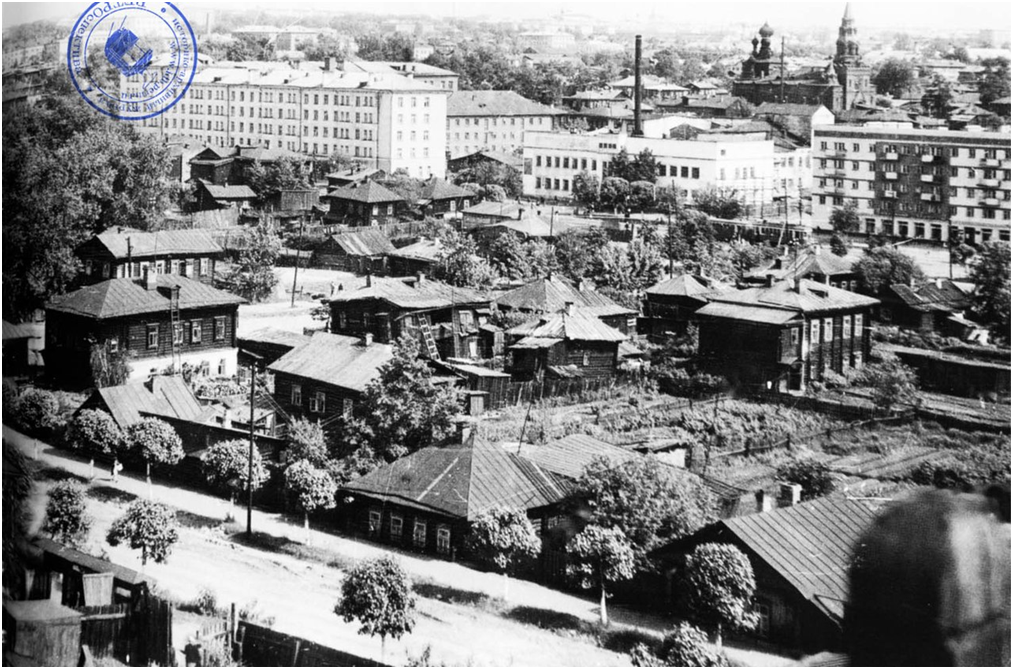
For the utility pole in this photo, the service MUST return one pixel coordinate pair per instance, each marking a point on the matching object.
(249, 461)
(782, 69)
(295, 274)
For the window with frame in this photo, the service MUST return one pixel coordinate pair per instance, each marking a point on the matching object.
(419, 533)
(318, 402)
(205, 266)
(396, 526)
(196, 332)
(375, 519)
(222, 367)
(177, 333)
(346, 407)
(219, 328)
(152, 336)
(828, 329)
(296, 394)
(814, 332)
(442, 539)
(586, 359)
(846, 332)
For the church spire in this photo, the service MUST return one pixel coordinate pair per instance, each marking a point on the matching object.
(847, 11)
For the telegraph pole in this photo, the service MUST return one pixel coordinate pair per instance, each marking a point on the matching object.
(295, 274)
(249, 462)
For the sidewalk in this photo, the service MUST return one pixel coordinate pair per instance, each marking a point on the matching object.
(459, 577)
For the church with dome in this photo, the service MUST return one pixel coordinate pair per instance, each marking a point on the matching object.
(843, 83)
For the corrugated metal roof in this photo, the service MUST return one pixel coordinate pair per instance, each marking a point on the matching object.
(441, 189)
(577, 326)
(495, 103)
(365, 242)
(148, 244)
(128, 297)
(809, 545)
(490, 208)
(336, 360)
(549, 295)
(241, 192)
(274, 336)
(19, 331)
(936, 295)
(475, 370)
(810, 297)
(89, 563)
(748, 313)
(570, 455)
(462, 480)
(809, 262)
(162, 396)
(535, 342)
(687, 285)
(428, 294)
(424, 249)
(529, 226)
(368, 192)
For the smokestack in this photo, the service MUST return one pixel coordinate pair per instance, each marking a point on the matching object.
(638, 128)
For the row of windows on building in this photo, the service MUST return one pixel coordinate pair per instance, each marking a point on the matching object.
(395, 527)
(917, 230)
(137, 268)
(851, 327)
(919, 150)
(497, 121)
(888, 207)
(318, 401)
(487, 135)
(925, 189)
(179, 332)
(892, 168)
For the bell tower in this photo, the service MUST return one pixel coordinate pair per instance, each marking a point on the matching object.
(854, 77)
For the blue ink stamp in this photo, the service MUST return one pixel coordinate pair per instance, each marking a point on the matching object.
(132, 60)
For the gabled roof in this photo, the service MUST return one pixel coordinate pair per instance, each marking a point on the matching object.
(160, 396)
(229, 192)
(562, 326)
(936, 295)
(424, 249)
(788, 109)
(409, 294)
(440, 189)
(275, 337)
(499, 209)
(810, 262)
(687, 285)
(495, 103)
(262, 154)
(336, 360)
(810, 545)
(754, 314)
(129, 297)
(364, 242)
(570, 455)
(13, 331)
(549, 295)
(368, 192)
(529, 226)
(126, 242)
(809, 297)
(461, 480)
(495, 156)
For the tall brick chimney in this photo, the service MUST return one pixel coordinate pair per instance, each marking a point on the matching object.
(638, 127)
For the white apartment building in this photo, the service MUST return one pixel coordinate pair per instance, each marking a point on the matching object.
(493, 121)
(914, 184)
(744, 163)
(386, 120)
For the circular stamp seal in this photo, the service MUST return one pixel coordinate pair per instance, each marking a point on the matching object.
(132, 60)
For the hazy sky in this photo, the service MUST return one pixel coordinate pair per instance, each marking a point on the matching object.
(899, 14)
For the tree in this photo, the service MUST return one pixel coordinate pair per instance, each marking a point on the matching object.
(670, 199)
(686, 646)
(94, 432)
(995, 82)
(37, 411)
(67, 520)
(717, 587)
(460, 265)
(576, 251)
(585, 189)
(401, 409)
(643, 167)
(108, 367)
(613, 192)
(309, 488)
(892, 383)
(306, 441)
(838, 245)
(651, 503)
(845, 219)
(150, 527)
(990, 273)
(283, 174)
(18, 508)
(745, 257)
(378, 594)
(894, 77)
(881, 267)
(938, 97)
(253, 276)
(154, 441)
(501, 536)
(227, 467)
(493, 174)
(641, 196)
(719, 203)
(814, 476)
(409, 188)
(598, 557)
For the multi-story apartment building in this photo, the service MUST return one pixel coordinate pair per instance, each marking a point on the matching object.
(386, 120)
(743, 163)
(493, 121)
(914, 184)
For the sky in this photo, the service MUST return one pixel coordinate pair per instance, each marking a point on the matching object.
(906, 15)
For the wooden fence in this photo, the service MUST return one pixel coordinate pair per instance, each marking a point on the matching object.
(258, 646)
(136, 635)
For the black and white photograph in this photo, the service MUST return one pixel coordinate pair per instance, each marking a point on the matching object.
(506, 334)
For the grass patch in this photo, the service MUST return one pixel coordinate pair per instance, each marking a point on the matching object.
(105, 493)
(554, 621)
(286, 546)
(55, 474)
(623, 640)
(449, 594)
(197, 521)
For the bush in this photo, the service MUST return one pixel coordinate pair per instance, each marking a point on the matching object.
(814, 476)
(686, 646)
(37, 411)
(679, 382)
(94, 432)
(67, 520)
(10, 400)
(206, 602)
(978, 465)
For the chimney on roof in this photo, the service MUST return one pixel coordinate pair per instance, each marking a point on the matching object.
(369, 280)
(770, 281)
(763, 501)
(150, 279)
(420, 278)
(939, 283)
(328, 63)
(790, 494)
(367, 339)
(798, 284)
(816, 250)
(568, 308)
(520, 213)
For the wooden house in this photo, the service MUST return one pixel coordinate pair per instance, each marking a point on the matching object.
(326, 376)
(354, 176)
(212, 166)
(426, 501)
(443, 199)
(928, 307)
(362, 252)
(529, 226)
(485, 388)
(210, 196)
(801, 555)
(569, 344)
(161, 396)
(493, 212)
(811, 263)
(418, 257)
(551, 295)
(126, 253)
(157, 323)
(494, 158)
(362, 204)
(268, 344)
(41, 633)
(445, 319)
(780, 337)
(671, 305)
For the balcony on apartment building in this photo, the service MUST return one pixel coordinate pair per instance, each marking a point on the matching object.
(889, 155)
(928, 178)
(989, 183)
(991, 162)
(928, 158)
(990, 202)
(929, 197)
(891, 194)
(890, 176)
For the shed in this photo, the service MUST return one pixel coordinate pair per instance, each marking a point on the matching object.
(41, 633)
(72, 565)
(362, 251)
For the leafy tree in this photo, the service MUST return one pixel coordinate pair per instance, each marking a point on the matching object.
(521, 260)
(643, 167)
(493, 174)
(150, 527)
(845, 219)
(719, 203)
(309, 488)
(37, 410)
(284, 174)
(460, 265)
(598, 557)
(717, 587)
(108, 367)
(937, 99)
(624, 273)
(894, 77)
(641, 196)
(879, 268)
(838, 245)
(306, 441)
(576, 251)
(18, 482)
(995, 82)
(745, 257)
(401, 410)
(990, 272)
(379, 595)
(409, 188)
(501, 536)
(613, 192)
(670, 199)
(651, 503)
(227, 467)
(393, 46)
(67, 520)
(585, 189)
(892, 383)
(814, 476)
(247, 48)
(94, 432)
(154, 441)
(686, 646)
(253, 276)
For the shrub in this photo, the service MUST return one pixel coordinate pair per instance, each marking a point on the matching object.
(814, 476)
(67, 520)
(37, 410)
(686, 646)
(94, 432)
